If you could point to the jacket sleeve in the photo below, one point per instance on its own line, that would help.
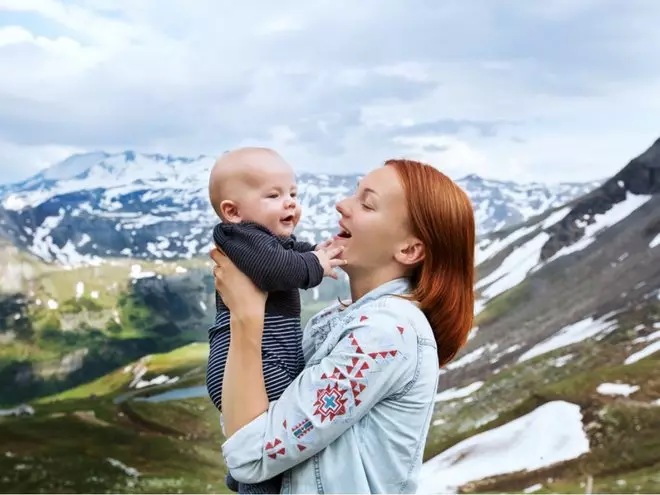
(270, 265)
(376, 358)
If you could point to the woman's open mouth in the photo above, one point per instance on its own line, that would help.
(344, 233)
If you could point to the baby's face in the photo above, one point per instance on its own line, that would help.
(272, 201)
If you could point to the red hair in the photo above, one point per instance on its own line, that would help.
(442, 217)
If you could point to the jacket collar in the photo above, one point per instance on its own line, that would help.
(398, 287)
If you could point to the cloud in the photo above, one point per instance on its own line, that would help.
(518, 90)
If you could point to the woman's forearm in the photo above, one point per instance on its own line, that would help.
(243, 389)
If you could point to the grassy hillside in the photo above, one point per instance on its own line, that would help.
(60, 327)
(84, 441)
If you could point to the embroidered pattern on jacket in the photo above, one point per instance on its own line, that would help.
(273, 448)
(330, 402)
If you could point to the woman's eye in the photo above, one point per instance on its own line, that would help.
(366, 206)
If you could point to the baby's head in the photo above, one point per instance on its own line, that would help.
(255, 185)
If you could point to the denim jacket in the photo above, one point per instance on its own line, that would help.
(356, 419)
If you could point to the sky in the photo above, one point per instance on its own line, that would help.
(564, 90)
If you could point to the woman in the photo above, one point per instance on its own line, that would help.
(356, 419)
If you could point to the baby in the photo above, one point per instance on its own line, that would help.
(253, 191)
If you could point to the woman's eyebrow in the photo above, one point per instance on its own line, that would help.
(367, 189)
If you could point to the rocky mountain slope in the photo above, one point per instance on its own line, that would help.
(97, 205)
(559, 385)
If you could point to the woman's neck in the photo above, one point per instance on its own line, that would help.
(364, 282)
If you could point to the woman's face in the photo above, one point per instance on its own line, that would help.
(374, 221)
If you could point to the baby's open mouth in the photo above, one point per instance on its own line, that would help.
(287, 219)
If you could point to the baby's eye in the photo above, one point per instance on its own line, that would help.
(273, 195)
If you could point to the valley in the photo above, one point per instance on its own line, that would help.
(558, 388)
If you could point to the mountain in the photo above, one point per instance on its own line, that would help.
(559, 384)
(147, 206)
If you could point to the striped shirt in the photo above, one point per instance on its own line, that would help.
(279, 266)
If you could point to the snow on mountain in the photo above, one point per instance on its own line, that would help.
(97, 205)
(509, 257)
(522, 444)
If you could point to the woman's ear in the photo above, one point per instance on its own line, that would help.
(229, 211)
(411, 252)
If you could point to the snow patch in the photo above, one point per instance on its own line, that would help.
(22, 410)
(491, 248)
(571, 334)
(616, 389)
(561, 361)
(644, 353)
(80, 290)
(533, 488)
(136, 272)
(550, 434)
(52, 304)
(514, 268)
(159, 380)
(120, 465)
(470, 357)
(614, 215)
(655, 241)
(648, 338)
(556, 217)
(458, 393)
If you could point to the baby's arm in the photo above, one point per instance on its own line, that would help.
(303, 247)
(258, 254)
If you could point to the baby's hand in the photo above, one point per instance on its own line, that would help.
(329, 260)
(323, 245)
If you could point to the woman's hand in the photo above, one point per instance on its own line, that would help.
(238, 292)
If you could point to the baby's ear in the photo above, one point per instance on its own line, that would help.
(229, 211)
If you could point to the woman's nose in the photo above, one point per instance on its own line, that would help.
(342, 207)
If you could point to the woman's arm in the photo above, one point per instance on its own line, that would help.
(243, 388)
(375, 359)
